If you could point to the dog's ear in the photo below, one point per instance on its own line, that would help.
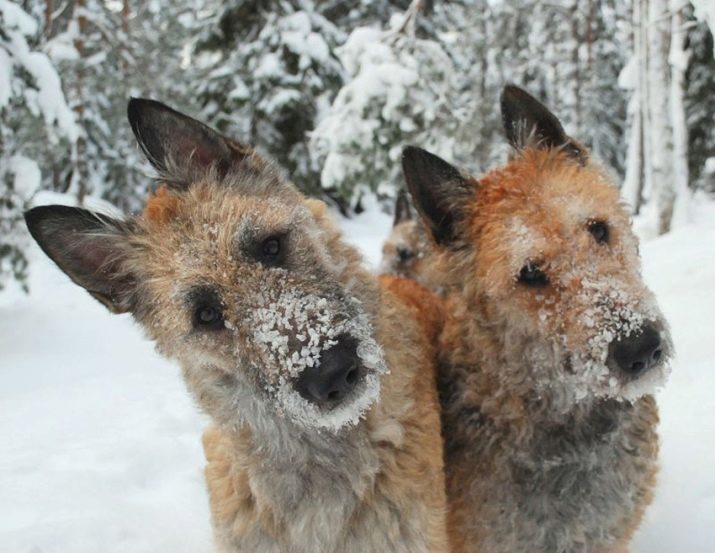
(181, 149)
(527, 122)
(90, 248)
(403, 211)
(439, 192)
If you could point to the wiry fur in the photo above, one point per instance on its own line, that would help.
(548, 447)
(283, 475)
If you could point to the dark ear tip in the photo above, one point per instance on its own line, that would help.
(39, 214)
(510, 89)
(410, 152)
(511, 94)
(413, 154)
(36, 215)
(139, 108)
(134, 108)
(33, 218)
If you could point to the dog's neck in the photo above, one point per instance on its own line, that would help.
(281, 443)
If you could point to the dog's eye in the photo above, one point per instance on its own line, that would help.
(209, 317)
(272, 250)
(272, 247)
(531, 275)
(599, 231)
(404, 254)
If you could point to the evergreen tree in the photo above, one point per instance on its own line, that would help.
(34, 120)
(398, 91)
(700, 106)
(267, 70)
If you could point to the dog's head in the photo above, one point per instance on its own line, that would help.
(405, 249)
(234, 274)
(543, 251)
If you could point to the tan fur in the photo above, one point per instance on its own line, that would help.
(320, 383)
(402, 431)
(161, 206)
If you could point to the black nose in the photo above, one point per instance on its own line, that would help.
(334, 377)
(638, 352)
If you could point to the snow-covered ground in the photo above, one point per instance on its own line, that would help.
(100, 447)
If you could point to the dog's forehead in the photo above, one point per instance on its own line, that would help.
(581, 197)
(204, 235)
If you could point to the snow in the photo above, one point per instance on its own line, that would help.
(48, 99)
(101, 448)
(5, 78)
(27, 176)
(13, 17)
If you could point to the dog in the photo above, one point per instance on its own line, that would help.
(551, 348)
(407, 251)
(319, 381)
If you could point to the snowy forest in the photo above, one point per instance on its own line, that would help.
(332, 90)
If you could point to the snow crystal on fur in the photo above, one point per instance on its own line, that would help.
(292, 329)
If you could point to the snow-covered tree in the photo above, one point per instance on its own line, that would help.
(700, 104)
(398, 91)
(34, 120)
(668, 131)
(266, 71)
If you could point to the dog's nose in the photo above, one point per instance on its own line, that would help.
(334, 377)
(638, 352)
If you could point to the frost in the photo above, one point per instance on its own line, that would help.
(613, 311)
(291, 330)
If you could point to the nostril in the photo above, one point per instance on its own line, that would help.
(334, 395)
(352, 376)
(637, 367)
(657, 354)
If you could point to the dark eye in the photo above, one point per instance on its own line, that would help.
(531, 275)
(271, 250)
(599, 231)
(208, 317)
(404, 254)
(272, 247)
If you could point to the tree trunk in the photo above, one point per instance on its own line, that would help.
(678, 59)
(632, 189)
(641, 18)
(80, 177)
(660, 129)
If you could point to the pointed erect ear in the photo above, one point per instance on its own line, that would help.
(527, 122)
(439, 192)
(403, 211)
(90, 248)
(175, 143)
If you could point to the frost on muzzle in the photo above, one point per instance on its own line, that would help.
(320, 360)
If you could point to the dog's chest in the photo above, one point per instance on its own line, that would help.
(561, 490)
(328, 510)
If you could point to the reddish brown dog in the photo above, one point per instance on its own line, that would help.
(551, 348)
